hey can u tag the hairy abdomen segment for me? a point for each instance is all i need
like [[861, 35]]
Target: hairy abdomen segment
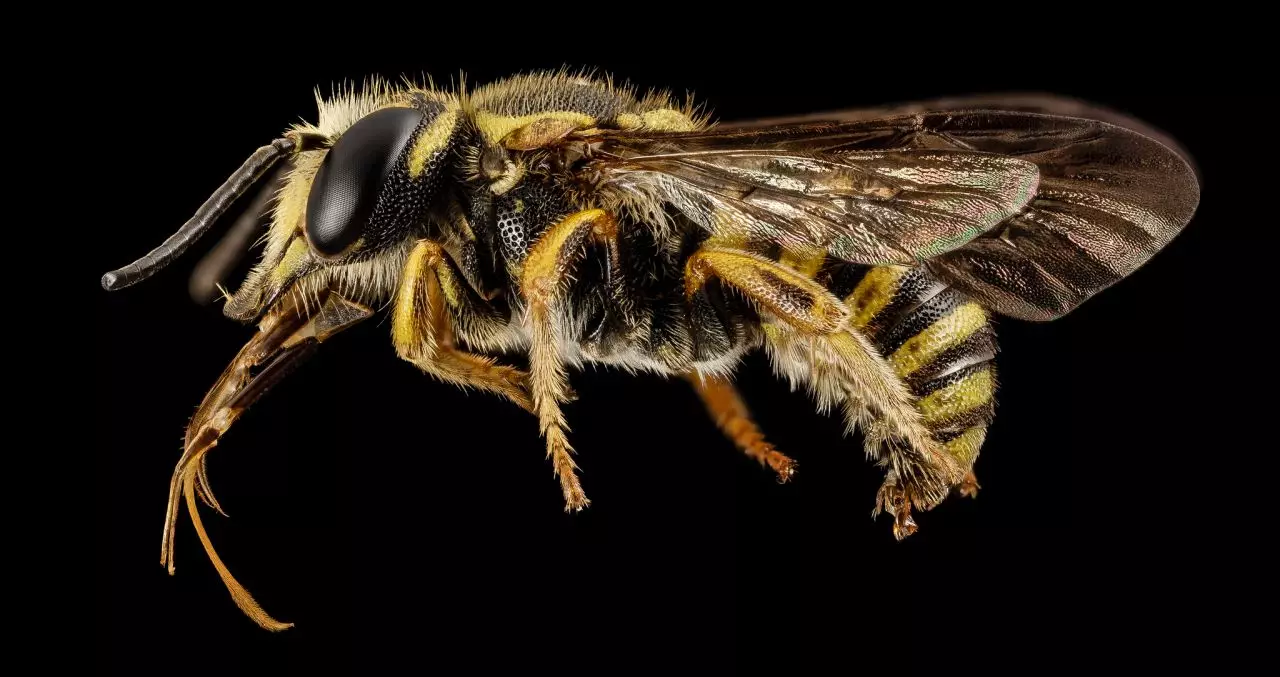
[[938, 341]]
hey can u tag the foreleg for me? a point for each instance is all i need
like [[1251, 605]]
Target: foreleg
[[430, 287]]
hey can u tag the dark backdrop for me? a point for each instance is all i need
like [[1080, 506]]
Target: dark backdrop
[[395, 519]]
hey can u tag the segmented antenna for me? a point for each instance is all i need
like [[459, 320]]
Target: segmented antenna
[[249, 173]]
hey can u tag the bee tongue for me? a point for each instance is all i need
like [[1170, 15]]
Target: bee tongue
[[286, 336]]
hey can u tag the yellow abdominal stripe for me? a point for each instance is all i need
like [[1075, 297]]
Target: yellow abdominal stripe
[[944, 404], [873, 293], [965, 447], [952, 330]]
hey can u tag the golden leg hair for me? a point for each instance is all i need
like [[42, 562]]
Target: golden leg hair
[[816, 323], [422, 333], [732, 416], [541, 283]]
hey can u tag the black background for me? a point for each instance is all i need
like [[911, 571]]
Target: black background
[[398, 520]]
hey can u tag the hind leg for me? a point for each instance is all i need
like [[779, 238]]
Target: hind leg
[[810, 327], [957, 407], [793, 358]]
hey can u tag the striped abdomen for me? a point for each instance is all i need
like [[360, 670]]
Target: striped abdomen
[[938, 340]]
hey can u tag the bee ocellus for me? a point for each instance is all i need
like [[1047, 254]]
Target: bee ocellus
[[552, 220]]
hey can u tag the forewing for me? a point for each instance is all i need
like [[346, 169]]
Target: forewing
[[1109, 198], [1024, 102], [900, 206], [1102, 201]]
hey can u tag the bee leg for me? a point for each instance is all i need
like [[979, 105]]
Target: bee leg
[[421, 329], [541, 283], [892, 498], [969, 486], [807, 317], [731, 415]]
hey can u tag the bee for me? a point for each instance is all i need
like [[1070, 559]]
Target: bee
[[551, 220]]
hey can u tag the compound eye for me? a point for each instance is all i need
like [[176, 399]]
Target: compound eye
[[346, 187]]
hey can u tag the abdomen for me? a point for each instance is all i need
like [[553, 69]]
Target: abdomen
[[939, 341]]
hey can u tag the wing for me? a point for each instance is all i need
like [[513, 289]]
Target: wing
[[1031, 213], [873, 207], [1038, 103], [1025, 102]]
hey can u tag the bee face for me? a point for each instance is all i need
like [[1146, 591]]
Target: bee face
[[347, 208], [354, 173], [378, 180]]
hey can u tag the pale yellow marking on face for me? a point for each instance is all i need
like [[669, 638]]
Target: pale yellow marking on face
[[496, 127], [292, 262], [291, 204]]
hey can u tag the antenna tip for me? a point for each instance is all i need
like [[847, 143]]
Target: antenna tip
[[111, 281]]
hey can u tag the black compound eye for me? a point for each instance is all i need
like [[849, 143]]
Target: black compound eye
[[346, 187]]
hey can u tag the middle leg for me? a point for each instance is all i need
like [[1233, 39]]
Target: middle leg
[[542, 283], [731, 414]]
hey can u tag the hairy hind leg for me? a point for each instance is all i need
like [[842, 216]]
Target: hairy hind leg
[[793, 359], [809, 325]]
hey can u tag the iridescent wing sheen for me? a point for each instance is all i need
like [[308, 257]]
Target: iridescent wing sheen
[[897, 206], [946, 189]]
